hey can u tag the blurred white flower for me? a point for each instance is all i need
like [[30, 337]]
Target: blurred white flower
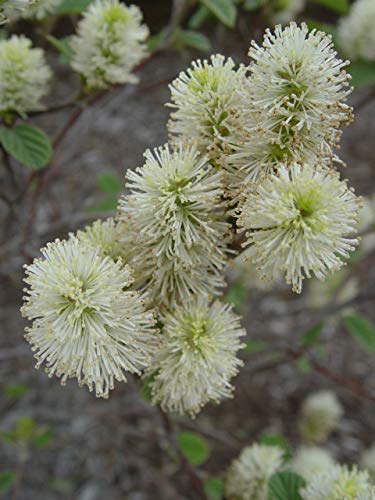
[[356, 32], [311, 460], [10, 9], [247, 477], [320, 414], [197, 357], [24, 76], [367, 461], [287, 10], [174, 218], [41, 8], [298, 222], [206, 104], [295, 97], [85, 324], [339, 483], [109, 44]]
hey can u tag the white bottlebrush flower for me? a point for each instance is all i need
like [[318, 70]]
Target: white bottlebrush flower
[[206, 105], [10, 9], [320, 414], [339, 483], [24, 76], [174, 219], [197, 357], [295, 95], [298, 221], [356, 32], [311, 460], [85, 324], [105, 236], [109, 44], [41, 9], [247, 477], [367, 461]]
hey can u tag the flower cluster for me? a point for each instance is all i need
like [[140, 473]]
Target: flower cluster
[[10, 8], [356, 34], [174, 219], [320, 414], [339, 483], [309, 461], [247, 477], [205, 100], [109, 44], [41, 8], [85, 322], [197, 357], [24, 76]]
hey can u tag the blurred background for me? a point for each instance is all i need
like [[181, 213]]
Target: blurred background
[[61, 442]]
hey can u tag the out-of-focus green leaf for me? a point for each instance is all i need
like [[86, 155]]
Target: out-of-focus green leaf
[[7, 480], [199, 17], [146, 388], [253, 346], [109, 183], [214, 488], [73, 6], [311, 336], [250, 5], [25, 428], [236, 295], [16, 391], [304, 365], [340, 6], [195, 40], [363, 73], [63, 46], [362, 330], [224, 10], [27, 144], [276, 440], [285, 485], [43, 438], [328, 28], [107, 205], [194, 447]]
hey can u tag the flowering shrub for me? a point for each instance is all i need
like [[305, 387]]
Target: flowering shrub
[[248, 188]]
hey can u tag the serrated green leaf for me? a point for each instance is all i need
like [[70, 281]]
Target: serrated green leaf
[[109, 183], [7, 480], [214, 488], [311, 336], [339, 6], [194, 447], [363, 73], [195, 40], [224, 10], [285, 485], [362, 330], [73, 6], [27, 144], [16, 391]]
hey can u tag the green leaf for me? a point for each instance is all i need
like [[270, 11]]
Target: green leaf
[[285, 485], [109, 183], [362, 330], [224, 10], [214, 488], [236, 295], [16, 391], [27, 144], [199, 17], [25, 428], [7, 480], [253, 346], [107, 205], [43, 438], [73, 6], [195, 40], [363, 73], [339, 6], [250, 5], [63, 46], [146, 388], [154, 41], [194, 447], [311, 336], [304, 365], [276, 440], [328, 28]]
